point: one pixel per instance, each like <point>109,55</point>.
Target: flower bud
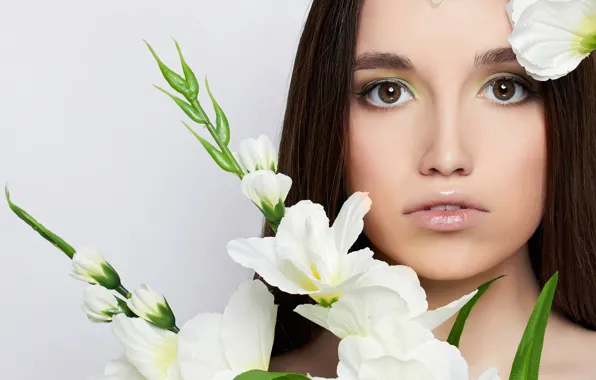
<point>152,307</point>
<point>100,304</point>
<point>259,154</point>
<point>89,265</point>
<point>268,191</point>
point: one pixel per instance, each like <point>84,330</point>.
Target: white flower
<point>100,304</point>
<point>210,346</point>
<point>551,37</point>
<point>365,359</point>
<point>89,265</point>
<point>150,349</point>
<point>386,304</point>
<point>120,369</point>
<point>152,307</point>
<point>307,256</point>
<point>259,154</point>
<point>215,346</point>
<point>431,360</point>
<point>268,191</point>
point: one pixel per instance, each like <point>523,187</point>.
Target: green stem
<point>175,329</point>
<point>224,149</point>
<point>123,291</point>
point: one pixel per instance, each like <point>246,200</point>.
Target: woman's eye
<point>387,94</point>
<point>505,91</point>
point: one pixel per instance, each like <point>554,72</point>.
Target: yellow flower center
<point>586,35</point>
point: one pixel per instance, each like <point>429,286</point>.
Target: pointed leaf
<point>464,313</point>
<point>222,127</point>
<point>530,346</point>
<point>176,81</point>
<point>261,375</point>
<point>125,309</point>
<point>219,158</point>
<point>188,109</point>
<point>44,232</point>
<point>189,76</point>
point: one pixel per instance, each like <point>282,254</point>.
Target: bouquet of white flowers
<point>379,311</point>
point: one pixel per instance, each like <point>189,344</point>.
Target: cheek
<point>508,178</point>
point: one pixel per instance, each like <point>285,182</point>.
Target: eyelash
<point>531,94</point>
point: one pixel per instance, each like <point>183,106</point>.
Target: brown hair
<point>314,143</point>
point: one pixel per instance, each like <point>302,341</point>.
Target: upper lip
<point>438,198</point>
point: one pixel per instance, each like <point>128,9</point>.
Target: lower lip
<point>451,220</point>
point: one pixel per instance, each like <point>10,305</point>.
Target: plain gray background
<point>100,157</point>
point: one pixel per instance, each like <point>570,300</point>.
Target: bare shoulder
<point>572,355</point>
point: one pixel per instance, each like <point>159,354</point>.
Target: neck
<point>495,326</point>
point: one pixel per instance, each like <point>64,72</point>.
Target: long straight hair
<point>314,142</point>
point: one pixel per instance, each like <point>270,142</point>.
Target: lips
<point>445,211</point>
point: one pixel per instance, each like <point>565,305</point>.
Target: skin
<point>446,131</point>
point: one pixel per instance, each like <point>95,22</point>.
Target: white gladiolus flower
<point>268,191</point>
<point>210,346</point>
<point>89,265</point>
<point>307,256</point>
<point>100,304</point>
<point>120,369</point>
<point>150,349</point>
<point>551,37</point>
<point>259,154</point>
<point>152,307</point>
<point>365,359</point>
<point>215,346</point>
<point>387,304</point>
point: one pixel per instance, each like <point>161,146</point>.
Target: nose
<point>445,152</point>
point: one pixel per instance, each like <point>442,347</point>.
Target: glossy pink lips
<point>445,211</point>
<point>448,220</point>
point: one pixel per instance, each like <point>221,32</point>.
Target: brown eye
<point>506,91</point>
<point>387,94</point>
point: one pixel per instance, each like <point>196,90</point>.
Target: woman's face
<point>447,134</point>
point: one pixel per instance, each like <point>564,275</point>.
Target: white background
<point>99,156</point>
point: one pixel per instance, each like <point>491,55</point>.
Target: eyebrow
<point>392,61</point>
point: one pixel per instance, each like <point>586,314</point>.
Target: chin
<point>448,260</point>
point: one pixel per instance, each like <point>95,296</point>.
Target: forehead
<point>454,31</point>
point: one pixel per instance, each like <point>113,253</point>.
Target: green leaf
<point>262,375</point>
<point>188,109</point>
<point>527,358</point>
<point>464,313</point>
<point>189,76</point>
<point>44,232</point>
<point>222,126</point>
<point>176,81</point>
<point>219,158</point>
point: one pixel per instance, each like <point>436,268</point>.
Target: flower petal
<point>491,373</point>
<point>402,280</point>
<point>200,350</point>
<point>433,318</point>
<point>150,349</point>
<point>302,233</point>
<point>349,222</point>
<point>548,34</point>
<point>358,310</point>
<point>259,254</point>
<point>358,262</point>
<point>353,351</point>
<point>391,368</point>
<point>119,369</point>
<point>248,327</point>
<point>314,313</point>
<point>443,360</point>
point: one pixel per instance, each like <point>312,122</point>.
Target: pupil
<point>389,93</point>
<point>504,89</point>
